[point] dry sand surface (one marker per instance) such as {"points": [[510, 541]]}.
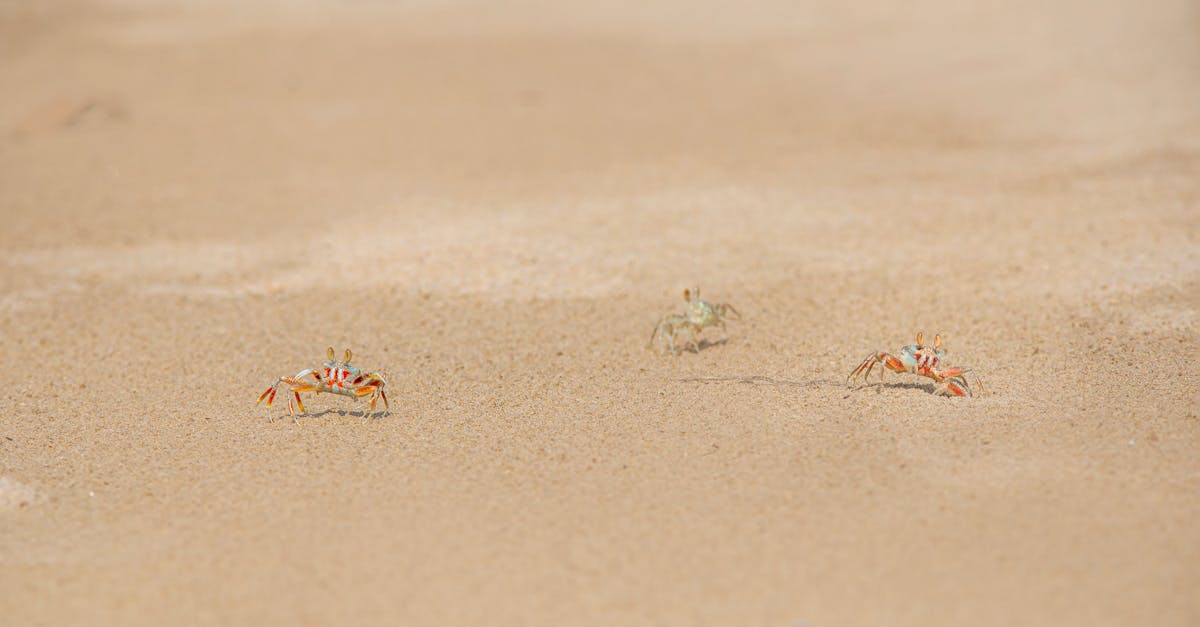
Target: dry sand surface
{"points": [[492, 204]]}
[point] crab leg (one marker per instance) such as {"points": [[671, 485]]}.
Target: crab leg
{"points": [[310, 371], [299, 402], [961, 374], [295, 385], [956, 381], [951, 373], [269, 391], [892, 362], [721, 311], [270, 399], [669, 327], [654, 334], [374, 387], [956, 386], [979, 382], [678, 328], [376, 393], [692, 333]]}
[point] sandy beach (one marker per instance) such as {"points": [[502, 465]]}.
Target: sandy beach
{"points": [[492, 205]]}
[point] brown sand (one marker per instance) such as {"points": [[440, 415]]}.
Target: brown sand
{"points": [[493, 204]]}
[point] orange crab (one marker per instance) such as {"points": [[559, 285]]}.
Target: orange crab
{"points": [[920, 360], [333, 377]]}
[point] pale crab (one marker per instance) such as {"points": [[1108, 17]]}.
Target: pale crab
{"points": [[705, 314], [699, 314], [670, 326], [333, 377], [922, 360]]}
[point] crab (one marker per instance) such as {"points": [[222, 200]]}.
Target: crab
{"points": [[705, 314], [670, 326], [922, 360], [699, 314], [333, 377]]}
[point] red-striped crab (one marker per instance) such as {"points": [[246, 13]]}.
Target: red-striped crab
{"points": [[333, 377], [920, 360]]}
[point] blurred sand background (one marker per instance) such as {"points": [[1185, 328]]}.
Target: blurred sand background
{"points": [[493, 203]]}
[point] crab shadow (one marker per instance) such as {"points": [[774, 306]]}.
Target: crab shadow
{"points": [[760, 380], [703, 345], [880, 387], [374, 415], [815, 383]]}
